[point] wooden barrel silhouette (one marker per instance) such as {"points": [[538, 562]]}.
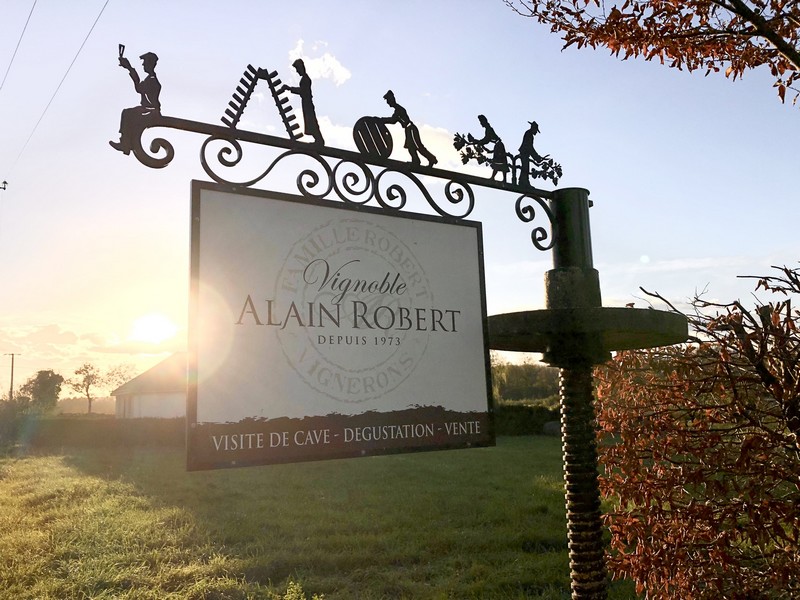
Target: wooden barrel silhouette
{"points": [[372, 137]]}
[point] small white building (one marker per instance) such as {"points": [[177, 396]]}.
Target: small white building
{"points": [[159, 392]]}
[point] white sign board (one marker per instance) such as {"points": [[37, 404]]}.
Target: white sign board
{"points": [[320, 330]]}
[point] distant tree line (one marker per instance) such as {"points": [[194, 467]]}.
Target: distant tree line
{"points": [[523, 381], [39, 395]]}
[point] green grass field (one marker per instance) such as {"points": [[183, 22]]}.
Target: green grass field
{"points": [[480, 523]]}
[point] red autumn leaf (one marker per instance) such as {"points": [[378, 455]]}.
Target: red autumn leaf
{"points": [[695, 34]]}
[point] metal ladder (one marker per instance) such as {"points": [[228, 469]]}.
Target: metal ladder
{"points": [[244, 91]]}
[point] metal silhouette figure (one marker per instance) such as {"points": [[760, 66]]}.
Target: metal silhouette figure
{"points": [[311, 126], [531, 163], [526, 165], [527, 152], [476, 149], [133, 120], [413, 142]]}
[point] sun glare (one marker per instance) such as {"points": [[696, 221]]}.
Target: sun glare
{"points": [[152, 328]]}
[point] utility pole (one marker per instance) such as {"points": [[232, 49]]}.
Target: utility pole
{"points": [[3, 186], [11, 387]]}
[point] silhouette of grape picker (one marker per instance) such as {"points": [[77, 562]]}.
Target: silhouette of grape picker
{"points": [[134, 119], [413, 143], [527, 152], [499, 160], [307, 102]]}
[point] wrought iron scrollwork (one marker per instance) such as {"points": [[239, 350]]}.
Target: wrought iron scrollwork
{"points": [[349, 176], [541, 237], [353, 181], [233, 147], [394, 195], [455, 191], [154, 158], [308, 179], [457, 194], [346, 175], [332, 173], [310, 183]]}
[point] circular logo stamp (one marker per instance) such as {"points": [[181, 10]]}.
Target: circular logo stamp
{"points": [[355, 303]]}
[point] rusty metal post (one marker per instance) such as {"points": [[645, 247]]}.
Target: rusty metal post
{"points": [[573, 283]]}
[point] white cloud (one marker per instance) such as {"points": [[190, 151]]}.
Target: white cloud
{"points": [[336, 136], [325, 66], [439, 141]]}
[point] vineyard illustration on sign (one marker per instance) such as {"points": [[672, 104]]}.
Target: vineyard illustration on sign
{"points": [[371, 134], [353, 178]]}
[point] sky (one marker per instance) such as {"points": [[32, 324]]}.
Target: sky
{"points": [[693, 179]]}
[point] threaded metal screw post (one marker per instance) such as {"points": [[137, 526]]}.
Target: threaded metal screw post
{"points": [[584, 525]]}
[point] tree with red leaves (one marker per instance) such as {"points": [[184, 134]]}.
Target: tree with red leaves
{"points": [[701, 451], [734, 35]]}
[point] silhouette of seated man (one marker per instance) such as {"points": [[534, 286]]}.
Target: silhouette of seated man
{"points": [[413, 142], [134, 119]]}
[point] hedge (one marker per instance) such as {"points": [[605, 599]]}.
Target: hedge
{"points": [[105, 431]]}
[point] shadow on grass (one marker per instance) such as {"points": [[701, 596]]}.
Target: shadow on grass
{"points": [[479, 523], [471, 522]]}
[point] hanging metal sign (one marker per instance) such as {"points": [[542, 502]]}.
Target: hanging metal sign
{"points": [[324, 331], [322, 328]]}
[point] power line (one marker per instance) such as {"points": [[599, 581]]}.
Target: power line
{"points": [[44, 112], [13, 56]]}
